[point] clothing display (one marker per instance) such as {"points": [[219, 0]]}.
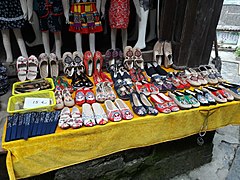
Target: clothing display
{"points": [[11, 14], [119, 14], [84, 17], [49, 13]]}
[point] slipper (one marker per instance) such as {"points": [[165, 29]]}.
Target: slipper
{"points": [[43, 65], [180, 100], [137, 106], [67, 98], [151, 110], [128, 57], [53, 62], [158, 52], [32, 67], [99, 113], [88, 63], [68, 64], [65, 118], [76, 116], [138, 59], [79, 97], [113, 112], [77, 58], [175, 81], [108, 91], [171, 104], [224, 93], [100, 95], [160, 105], [213, 70], [124, 109], [192, 100], [202, 80], [88, 115], [22, 68]]}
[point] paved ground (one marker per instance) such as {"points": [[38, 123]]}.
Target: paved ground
{"points": [[226, 152]]}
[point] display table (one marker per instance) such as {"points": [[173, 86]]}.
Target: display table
{"points": [[68, 147]]}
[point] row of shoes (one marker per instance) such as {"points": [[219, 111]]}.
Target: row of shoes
{"points": [[27, 68], [93, 114]]}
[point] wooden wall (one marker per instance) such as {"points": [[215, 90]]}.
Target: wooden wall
{"points": [[190, 25]]}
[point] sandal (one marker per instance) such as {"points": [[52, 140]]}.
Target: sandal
{"points": [[99, 113], [22, 68], [32, 67], [138, 60], [128, 57], [68, 64]]}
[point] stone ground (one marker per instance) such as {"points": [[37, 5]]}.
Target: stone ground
{"points": [[225, 162], [226, 151]]}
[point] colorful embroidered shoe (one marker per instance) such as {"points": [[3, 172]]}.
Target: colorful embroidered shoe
{"points": [[89, 95], [124, 109], [80, 97], [59, 99], [108, 91], [100, 95], [151, 110], [217, 95], [99, 113], [113, 112], [68, 100], [203, 101], [65, 118], [233, 90], [76, 116], [171, 104], [192, 100], [207, 95], [180, 100], [88, 63], [160, 105], [137, 106], [142, 88], [87, 115]]}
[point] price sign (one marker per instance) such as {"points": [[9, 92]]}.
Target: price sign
{"points": [[36, 102]]}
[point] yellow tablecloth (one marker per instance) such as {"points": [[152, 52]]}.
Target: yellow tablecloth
{"points": [[67, 147]]}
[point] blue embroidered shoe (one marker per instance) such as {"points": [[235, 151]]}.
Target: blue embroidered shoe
{"points": [[137, 105], [151, 110]]}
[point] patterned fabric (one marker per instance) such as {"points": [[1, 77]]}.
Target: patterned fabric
{"points": [[119, 14], [84, 17], [11, 14], [49, 12]]}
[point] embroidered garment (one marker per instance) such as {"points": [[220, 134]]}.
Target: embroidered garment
{"points": [[50, 12], [11, 14], [119, 14], [84, 17]]}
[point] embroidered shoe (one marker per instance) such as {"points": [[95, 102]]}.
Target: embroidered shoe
{"points": [[124, 109], [113, 112], [99, 114], [88, 115], [137, 106]]}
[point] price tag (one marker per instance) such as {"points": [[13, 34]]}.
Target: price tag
{"points": [[36, 102]]}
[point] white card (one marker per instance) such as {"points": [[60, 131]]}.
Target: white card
{"points": [[31, 102]]}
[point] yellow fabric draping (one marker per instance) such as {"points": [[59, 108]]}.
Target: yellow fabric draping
{"points": [[68, 147]]}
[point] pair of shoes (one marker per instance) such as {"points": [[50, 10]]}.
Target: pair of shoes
{"points": [[72, 62], [211, 74], [133, 58], [113, 58], [27, 68], [119, 111], [233, 89], [163, 50], [146, 88], [163, 103], [204, 95], [81, 80], [70, 119], [137, 75], [199, 95], [84, 95], [47, 63], [153, 69], [220, 95], [104, 92], [141, 105], [184, 101], [123, 87], [63, 98], [93, 115]]}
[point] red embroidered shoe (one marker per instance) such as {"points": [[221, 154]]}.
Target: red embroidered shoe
{"points": [[89, 95], [98, 62], [88, 63]]}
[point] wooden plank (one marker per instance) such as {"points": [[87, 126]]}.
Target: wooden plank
{"points": [[211, 32], [200, 32]]}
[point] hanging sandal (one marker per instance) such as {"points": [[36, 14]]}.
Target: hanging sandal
{"points": [[32, 67], [22, 68], [68, 64], [138, 60], [158, 52]]}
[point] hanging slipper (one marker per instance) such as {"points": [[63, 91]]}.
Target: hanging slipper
{"points": [[88, 63], [54, 67], [43, 65], [77, 58], [22, 68], [138, 59], [168, 58], [32, 67]]}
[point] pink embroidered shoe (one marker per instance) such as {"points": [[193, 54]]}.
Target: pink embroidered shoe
{"points": [[124, 109], [113, 112]]}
